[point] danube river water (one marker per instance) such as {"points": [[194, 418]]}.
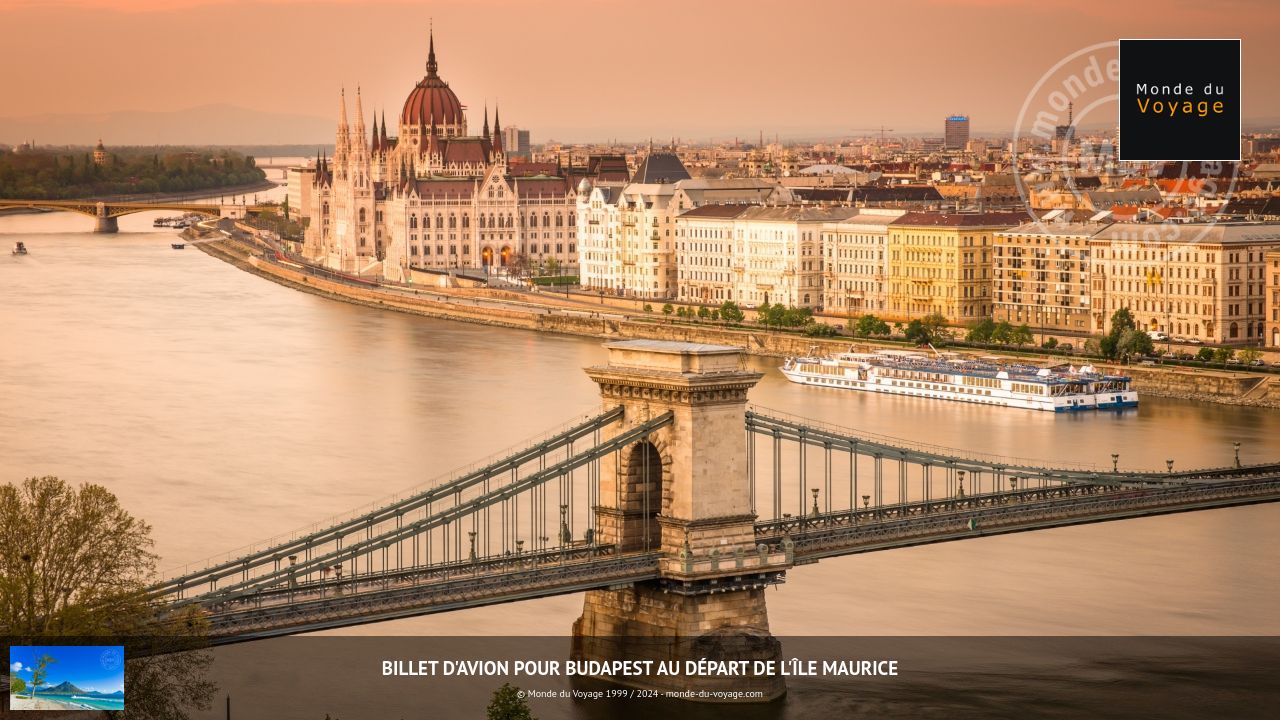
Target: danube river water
{"points": [[225, 409]]}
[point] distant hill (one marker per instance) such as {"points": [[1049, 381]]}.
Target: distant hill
{"points": [[95, 693], [62, 688], [204, 125]]}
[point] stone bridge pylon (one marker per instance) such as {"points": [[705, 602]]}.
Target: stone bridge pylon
{"points": [[684, 492]]}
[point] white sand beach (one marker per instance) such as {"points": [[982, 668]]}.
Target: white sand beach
{"points": [[22, 702]]}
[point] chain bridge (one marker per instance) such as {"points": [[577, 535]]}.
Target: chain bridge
{"points": [[673, 509]]}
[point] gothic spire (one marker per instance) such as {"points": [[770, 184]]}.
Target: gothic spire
{"points": [[485, 134], [497, 131], [431, 54]]}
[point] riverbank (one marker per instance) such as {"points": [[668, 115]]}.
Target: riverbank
{"points": [[502, 310]]}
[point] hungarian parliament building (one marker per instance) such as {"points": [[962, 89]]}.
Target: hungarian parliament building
{"points": [[435, 197]]}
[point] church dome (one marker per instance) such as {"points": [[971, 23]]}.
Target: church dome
{"points": [[432, 101]]}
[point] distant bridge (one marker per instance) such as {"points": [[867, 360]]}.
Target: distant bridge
{"points": [[106, 213], [675, 504]]}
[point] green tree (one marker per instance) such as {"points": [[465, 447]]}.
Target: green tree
{"points": [[1222, 355], [704, 313], [1134, 342], [73, 562], [40, 672], [668, 309], [1021, 335], [508, 703], [817, 329], [648, 308], [1121, 323], [929, 330], [1049, 343], [982, 332], [730, 311], [1248, 356], [16, 685], [1002, 333], [870, 325], [1205, 355]]}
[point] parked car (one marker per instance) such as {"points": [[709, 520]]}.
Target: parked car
{"points": [[1157, 335], [1195, 341], [1258, 363]]}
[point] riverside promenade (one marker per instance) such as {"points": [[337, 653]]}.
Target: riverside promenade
{"points": [[574, 315]]}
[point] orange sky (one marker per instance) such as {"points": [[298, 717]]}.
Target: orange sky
{"points": [[579, 69]]}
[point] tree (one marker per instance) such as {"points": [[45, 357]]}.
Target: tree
{"points": [[1222, 355], [703, 313], [730, 311], [817, 329], [1121, 323], [1021, 335], [869, 325], [73, 562], [1248, 356], [982, 332], [648, 308], [553, 266], [1134, 342], [1205, 355], [668, 309], [1049, 343], [508, 703], [40, 672], [930, 330], [16, 685], [1002, 333]]}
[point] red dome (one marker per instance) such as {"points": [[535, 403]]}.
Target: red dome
{"points": [[431, 100]]}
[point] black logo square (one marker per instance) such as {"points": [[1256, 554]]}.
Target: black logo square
{"points": [[1180, 100]]}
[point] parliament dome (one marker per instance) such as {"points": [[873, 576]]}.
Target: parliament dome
{"points": [[433, 102]]}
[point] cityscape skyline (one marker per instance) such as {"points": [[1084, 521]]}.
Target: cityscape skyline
{"points": [[290, 59]]}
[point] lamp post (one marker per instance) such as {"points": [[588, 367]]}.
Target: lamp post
{"points": [[815, 500], [1115, 462], [1237, 447], [960, 486], [1169, 465]]}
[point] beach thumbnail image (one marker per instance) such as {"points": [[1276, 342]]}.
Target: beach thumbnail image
{"points": [[66, 677]]}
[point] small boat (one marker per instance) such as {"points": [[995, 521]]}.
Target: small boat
{"points": [[19, 248], [177, 246]]}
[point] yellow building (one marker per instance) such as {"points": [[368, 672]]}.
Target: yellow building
{"points": [[1195, 281], [1272, 272], [942, 263]]}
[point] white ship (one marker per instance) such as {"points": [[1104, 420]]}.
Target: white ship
{"points": [[950, 377]]}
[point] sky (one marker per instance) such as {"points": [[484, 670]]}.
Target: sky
{"points": [[82, 666], [594, 69]]}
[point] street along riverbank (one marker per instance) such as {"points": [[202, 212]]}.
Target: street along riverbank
{"points": [[504, 309]]}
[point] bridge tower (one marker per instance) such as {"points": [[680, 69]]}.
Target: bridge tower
{"points": [[684, 493], [104, 222]]}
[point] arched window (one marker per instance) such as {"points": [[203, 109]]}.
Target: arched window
{"points": [[466, 221], [571, 220], [533, 219], [439, 220], [482, 222], [546, 219], [453, 221], [559, 220], [1234, 331], [511, 221], [426, 221], [362, 216], [493, 223]]}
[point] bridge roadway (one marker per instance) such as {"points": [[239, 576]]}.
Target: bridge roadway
{"points": [[107, 212], [336, 602]]}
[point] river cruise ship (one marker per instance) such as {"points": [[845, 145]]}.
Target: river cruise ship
{"points": [[986, 381]]}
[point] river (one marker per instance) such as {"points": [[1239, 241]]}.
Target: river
{"points": [[223, 409]]}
